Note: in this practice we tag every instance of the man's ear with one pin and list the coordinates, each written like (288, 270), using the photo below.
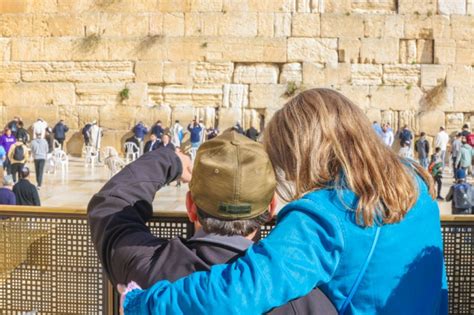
(191, 207)
(273, 206)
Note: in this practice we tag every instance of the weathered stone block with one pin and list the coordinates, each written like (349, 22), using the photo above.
(212, 72)
(430, 121)
(14, 25)
(282, 24)
(248, 49)
(424, 51)
(206, 5)
(267, 95)
(259, 5)
(98, 94)
(448, 7)
(341, 25)
(291, 72)
(454, 121)
(332, 6)
(401, 74)
(394, 26)
(13, 6)
(149, 71)
(303, 6)
(10, 72)
(317, 75)
(460, 76)
(179, 95)
(463, 100)
(374, 25)
(417, 6)
(441, 27)
(374, 114)
(439, 97)
(235, 96)
(37, 94)
(365, 74)
(465, 52)
(395, 97)
(117, 117)
(445, 51)
(470, 9)
(173, 24)
(305, 25)
(462, 27)
(349, 50)
(126, 24)
(5, 49)
(176, 73)
(322, 50)
(256, 73)
(266, 22)
(432, 75)
(379, 50)
(417, 26)
(57, 25)
(185, 114)
(357, 94)
(228, 117)
(242, 24)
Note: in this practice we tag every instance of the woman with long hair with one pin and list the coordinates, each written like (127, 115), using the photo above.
(361, 224)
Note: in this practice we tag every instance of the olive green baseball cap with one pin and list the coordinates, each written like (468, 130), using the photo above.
(233, 178)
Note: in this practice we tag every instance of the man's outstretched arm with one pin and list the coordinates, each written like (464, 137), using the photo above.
(118, 213)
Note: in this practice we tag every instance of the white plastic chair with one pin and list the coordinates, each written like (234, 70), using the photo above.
(61, 159)
(114, 164)
(110, 151)
(91, 156)
(131, 151)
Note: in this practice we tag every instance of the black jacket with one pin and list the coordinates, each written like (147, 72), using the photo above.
(156, 145)
(128, 251)
(26, 193)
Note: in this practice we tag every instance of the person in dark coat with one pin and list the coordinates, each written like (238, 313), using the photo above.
(25, 192)
(252, 133)
(7, 197)
(134, 140)
(152, 144)
(13, 125)
(140, 130)
(60, 130)
(166, 143)
(158, 130)
(129, 251)
(22, 133)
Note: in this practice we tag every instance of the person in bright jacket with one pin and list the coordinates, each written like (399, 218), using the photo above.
(140, 131)
(464, 159)
(6, 141)
(18, 156)
(195, 129)
(60, 130)
(347, 229)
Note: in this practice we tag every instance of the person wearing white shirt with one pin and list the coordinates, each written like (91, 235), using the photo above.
(441, 141)
(387, 135)
(39, 129)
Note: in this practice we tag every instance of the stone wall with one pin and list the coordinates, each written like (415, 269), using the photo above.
(402, 61)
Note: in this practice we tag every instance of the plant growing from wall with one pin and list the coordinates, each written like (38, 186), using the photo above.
(435, 97)
(291, 88)
(90, 42)
(124, 94)
(149, 41)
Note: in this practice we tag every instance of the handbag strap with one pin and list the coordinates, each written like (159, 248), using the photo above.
(356, 284)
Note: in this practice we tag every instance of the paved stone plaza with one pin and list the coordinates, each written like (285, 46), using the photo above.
(77, 188)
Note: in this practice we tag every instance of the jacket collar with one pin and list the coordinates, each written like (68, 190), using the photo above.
(235, 241)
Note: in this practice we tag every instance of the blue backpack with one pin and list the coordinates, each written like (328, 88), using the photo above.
(463, 196)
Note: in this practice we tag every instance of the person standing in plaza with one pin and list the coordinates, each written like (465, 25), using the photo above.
(95, 136)
(39, 150)
(13, 125)
(25, 192)
(177, 134)
(60, 130)
(140, 131)
(470, 138)
(22, 133)
(422, 148)
(6, 141)
(460, 194)
(464, 159)
(387, 135)
(7, 196)
(18, 156)
(405, 135)
(465, 130)
(441, 141)
(158, 130)
(195, 129)
(39, 127)
(405, 151)
(455, 151)
(436, 170)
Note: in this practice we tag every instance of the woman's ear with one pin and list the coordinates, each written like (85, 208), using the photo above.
(273, 205)
(191, 207)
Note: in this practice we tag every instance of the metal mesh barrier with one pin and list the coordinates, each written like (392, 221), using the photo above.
(49, 266)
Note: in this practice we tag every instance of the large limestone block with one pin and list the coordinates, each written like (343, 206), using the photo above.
(29, 114)
(228, 117)
(395, 97)
(470, 9)
(77, 71)
(5, 49)
(125, 24)
(394, 26)
(240, 24)
(235, 96)
(463, 100)
(366, 74)
(98, 94)
(420, 6)
(266, 24)
(465, 52)
(454, 121)
(57, 25)
(149, 71)
(198, 96)
(442, 27)
(377, 6)
(26, 49)
(445, 51)
(206, 5)
(432, 75)
(430, 121)
(173, 24)
(282, 25)
(460, 76)
(212, 72)
(14, 25)
(250, 49)
(252, 118)
(374, 114)
(267, 95)
(418, 26)
(291, 72)
(357, 94)
(379, 50)
(462, 27)
(37, 94)
(177, 73)
(138, 94)
(424, 51)
(259, 5)
(401, 74)
(439, 97)
(10, 72)
(349, 50)
(408, 51)
(342, 25)
(317, 75)
(322, 50)
(374, 25)
(13, 6)
(448, 7)
(256, 73)
(305, 25)
(332, 6)
(185, 114)
(117, 117)
(151, 114)
(91, 47)
(207, 115)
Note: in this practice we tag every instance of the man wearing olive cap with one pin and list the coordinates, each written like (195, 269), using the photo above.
(231, 194)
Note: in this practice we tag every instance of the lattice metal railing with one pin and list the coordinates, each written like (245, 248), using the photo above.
(49, 266)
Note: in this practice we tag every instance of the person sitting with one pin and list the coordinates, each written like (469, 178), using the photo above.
(7, 197)
(461, 195)
(225, 218)
(25, 192)
(152, 144)
(166, 142)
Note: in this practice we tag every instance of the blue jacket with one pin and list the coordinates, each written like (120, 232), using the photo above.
(140, 131)
(60, 131)
(157, 131)
(317, 243)
(195, 133)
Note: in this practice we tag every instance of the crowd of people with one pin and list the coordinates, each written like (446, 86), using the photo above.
(456, 151)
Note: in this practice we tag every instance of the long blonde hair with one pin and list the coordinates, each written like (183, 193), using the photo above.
(320, 139)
